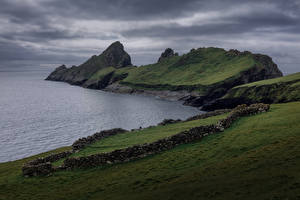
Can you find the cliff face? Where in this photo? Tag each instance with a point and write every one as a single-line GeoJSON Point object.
{"type": "Point", "coordinates": [198, 77]}
{"type": "Point", "coordinates": [277, 90]}
{"type": "Point", "coordinates": [114, 56]}
{"type": "Point", "coordinates": [264, 68]}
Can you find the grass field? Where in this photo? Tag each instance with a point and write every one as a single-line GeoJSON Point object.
{"type": "Point", "coordinates": [257, 158]}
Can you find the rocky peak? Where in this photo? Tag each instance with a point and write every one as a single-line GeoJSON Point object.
{"type": "Point", "coordinates": [167, 54]}
{"type": "Point", "coordinates": [116, 56]}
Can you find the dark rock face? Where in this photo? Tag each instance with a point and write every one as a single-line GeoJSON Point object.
{"type": "Point", "coordinates": [167, 54]}
{"type": "Point", "coordinates": [281, 92]}
{"type": "Point", "coordinates": [225, 103]}
{"type": "Point", "coordinates": [113, 56]}
{"type": "Point", "coordinates": [58, 73]}
{"type": "Point", "coordinates": [99, 84]}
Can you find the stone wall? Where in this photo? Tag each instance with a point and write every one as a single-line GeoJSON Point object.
{"type": "Point", "coordinates": [82, 142]}
{"type": "Point", "coordinates": [42, 166]}
{"type": "Point", "coordinates": [140, 151]}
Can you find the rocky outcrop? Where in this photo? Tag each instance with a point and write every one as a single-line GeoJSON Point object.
{"type": "Point", "coordinates": [113, 56]}
{"type": "Point", "coordinates": [43, 166]}
{"type": "Point", "coordinates": [167, 54]}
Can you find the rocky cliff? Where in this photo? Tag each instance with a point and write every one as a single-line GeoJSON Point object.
{"type": "Point", "coordinates": [277, 90]}
{"type": "Point", "coordinates": [113, 56]}
{"type": "Point", "coordinates": [198, 78]}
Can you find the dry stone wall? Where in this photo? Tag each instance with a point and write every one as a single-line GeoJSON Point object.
{"type": "Point", "coordinates": [43, 166]}
{"type": "Point", "coordinates": [82, 142]}
{"type": "Point", "coordinates": [140, 151]}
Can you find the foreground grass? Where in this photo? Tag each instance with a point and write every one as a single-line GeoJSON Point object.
{"type": "Point", "coordinates": [257, 158]}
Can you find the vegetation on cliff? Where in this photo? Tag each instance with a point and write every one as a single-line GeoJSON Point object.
{"type": "Point", "coordinates": [277, 90]}
{"type": "Point", "coordinates": [257, 158]}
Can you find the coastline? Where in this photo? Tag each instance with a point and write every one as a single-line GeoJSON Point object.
{"type": "Point", "coordinates": [161, 94]}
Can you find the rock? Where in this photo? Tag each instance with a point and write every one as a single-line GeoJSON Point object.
{"type": "Point", "coordinates": [37, 170]}
{"type": "Point", "coordinates": [113, 56]}
{"type": "Point", "coordinates": [167, 54]}
{"type": "Point", "coordinates": [225, 103]}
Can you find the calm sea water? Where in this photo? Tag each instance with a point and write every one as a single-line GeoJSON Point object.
{"type": "Point", "coordinates": [38, 115]}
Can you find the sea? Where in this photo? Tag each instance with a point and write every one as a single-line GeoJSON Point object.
{"type": "Point", "coordinates": [38, 115]}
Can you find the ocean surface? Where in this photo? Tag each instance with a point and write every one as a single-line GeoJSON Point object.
{"type": "Point", "coordinates": [37, 115]}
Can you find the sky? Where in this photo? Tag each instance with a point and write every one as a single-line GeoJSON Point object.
{"type": "Point", "coordinates": [53, 32]}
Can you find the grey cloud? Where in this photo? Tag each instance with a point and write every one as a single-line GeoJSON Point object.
{"type": "Point", "coordinates": [260, 20]}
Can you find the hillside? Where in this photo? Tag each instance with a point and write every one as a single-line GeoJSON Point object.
{"type": "Point", "coordinates": [197, 77]}
{"type": "Point", "coordinates": [257, 158]}
{"type": "Point", "coordinates": [277, 90]}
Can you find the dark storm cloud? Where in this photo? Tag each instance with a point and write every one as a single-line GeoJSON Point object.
{"type": "Point", "coordinates": [74, 29]}
{"type": "Point", "coordinates": [124, 9]}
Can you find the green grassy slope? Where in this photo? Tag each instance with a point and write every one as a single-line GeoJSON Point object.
{"type": "Point", "coordinates": [257, 158]}
{"type": "Point", "coordinates": [277, 90]}
{"type": "Point", "coordinates": [202, 70]}
{"type": "Point", "coordinates": [203, 66]}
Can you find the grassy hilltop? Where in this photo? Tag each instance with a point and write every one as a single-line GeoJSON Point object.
{"type": "Point", "coordinates": [257, 158]}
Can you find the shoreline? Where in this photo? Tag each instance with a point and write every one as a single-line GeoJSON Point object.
{"type": "Point", "coordinates": [161, 94]}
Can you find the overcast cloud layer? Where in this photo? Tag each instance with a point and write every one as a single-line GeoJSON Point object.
{"type": "Point", "coordinates": [70, 31]}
